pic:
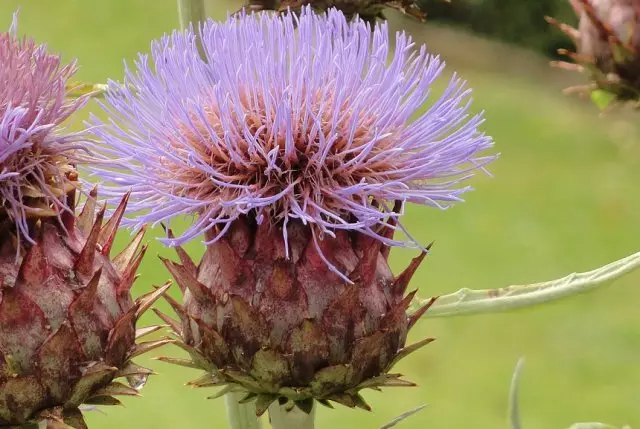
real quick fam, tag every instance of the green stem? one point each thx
(291, 417)
(469, 301)
(514, 409)
(241, 416)
(193, 12)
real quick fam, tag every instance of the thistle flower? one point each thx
(296, 144)
(608, 47)
(36, 155)
(67, 320)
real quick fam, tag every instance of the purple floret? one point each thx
(32, 141)
(311, 118)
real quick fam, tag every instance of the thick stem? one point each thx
(289, 416)
(241, 416)
(193, 12)
(469, 301)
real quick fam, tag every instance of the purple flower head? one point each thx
(34, 152)
(311, 118)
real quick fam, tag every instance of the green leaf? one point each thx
(602, 98)
(514, 410)
(474, 301)
(402, 417)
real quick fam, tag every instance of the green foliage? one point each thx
(513, 21)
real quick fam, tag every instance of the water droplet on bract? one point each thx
(137, 381)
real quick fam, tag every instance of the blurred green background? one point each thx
(564, 198)
(518, 22)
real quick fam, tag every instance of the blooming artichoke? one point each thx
(298, 167)
(608, 47)
(67, 320)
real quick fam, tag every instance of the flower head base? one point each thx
(608, 47)
(67, 319)
(288, 329)
(35, 157)
(287, 118)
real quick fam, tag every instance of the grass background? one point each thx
(564, 198)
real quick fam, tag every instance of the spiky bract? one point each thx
(287, 328)
(67, 320)
(607, 47)
(36, 155)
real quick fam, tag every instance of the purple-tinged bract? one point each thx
(607, 41)
(36, 155)
(310, 118)
(67, 319)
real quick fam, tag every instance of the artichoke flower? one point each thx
(295, 143)
(67, 319)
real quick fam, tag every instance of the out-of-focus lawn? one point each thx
(564, 198)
